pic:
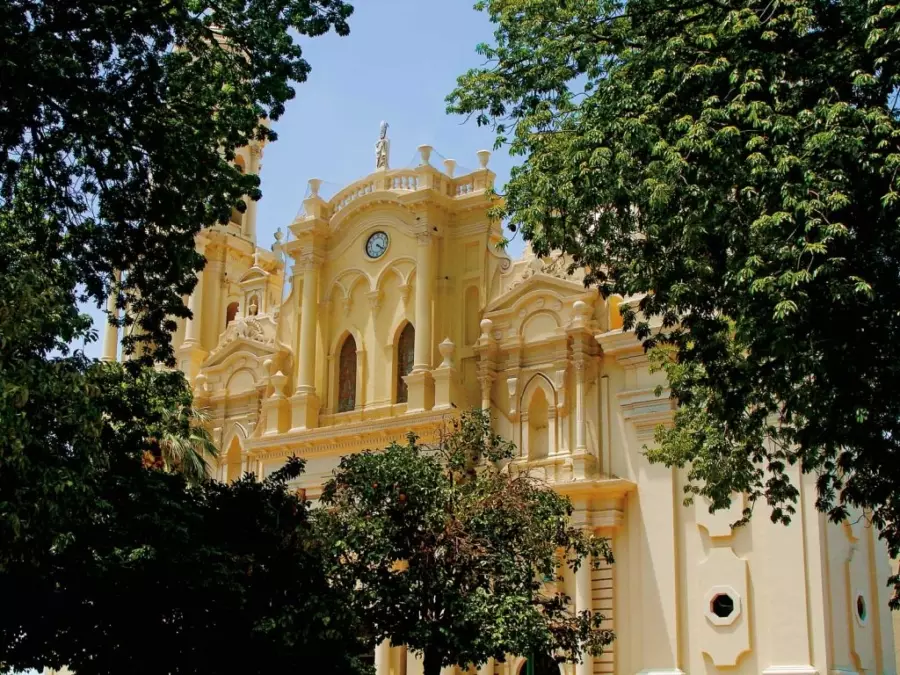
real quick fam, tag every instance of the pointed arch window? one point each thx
(538, 426)
(233, 461)
(347, 376)
(405, 352)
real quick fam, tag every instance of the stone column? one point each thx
(111, 335)
(306, 366)
(383, 658)
(195, 305)
(305, 402)
(583, 464)
(210, 302)
(424, 284)
(580, 444)
(583, 602)
(419, 382)
(255, 153)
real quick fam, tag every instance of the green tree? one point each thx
(449, 554)
(184, 443)
(733, 163)
(118, 127)
(176, 579)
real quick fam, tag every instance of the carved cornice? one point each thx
(645, 410)
(351, 437)
(618, 342)
(599, 503)
(307, 259)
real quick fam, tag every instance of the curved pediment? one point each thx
(239, 349)
(346, 232)
(255, 273)
(535, 286)
(253, 334)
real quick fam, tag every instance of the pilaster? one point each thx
(424, 292)
(486, 348)
(305, 401)
(420, 382)
(420, 391)
(277, 407)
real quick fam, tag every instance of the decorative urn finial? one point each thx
(425, 153)
(447, 348)
(449, 167)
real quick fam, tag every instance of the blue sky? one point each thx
(398, 64)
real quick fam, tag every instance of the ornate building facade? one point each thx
(389, 307)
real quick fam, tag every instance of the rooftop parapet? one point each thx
(442, 184)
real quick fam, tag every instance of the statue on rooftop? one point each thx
(382, 148)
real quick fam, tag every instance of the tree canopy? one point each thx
(453, 556)
(177, 579)
(730, 167)
(118, 127)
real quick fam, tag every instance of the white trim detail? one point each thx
(790, 670)
(716, 591)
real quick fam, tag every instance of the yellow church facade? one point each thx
(388, 308)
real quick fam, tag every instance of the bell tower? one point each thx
(243, 225)
(220, 297)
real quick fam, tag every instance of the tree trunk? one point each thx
(432, 663)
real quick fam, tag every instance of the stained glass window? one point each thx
(405, 352)
(347, 376)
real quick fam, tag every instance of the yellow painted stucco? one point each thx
(547, 356)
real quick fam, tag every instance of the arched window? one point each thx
(540, 665)
(231, 312)
(347, 375)
(233, 461)
(538, 426)
(405, 352)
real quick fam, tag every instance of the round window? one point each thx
(861, 611)
(722, 605)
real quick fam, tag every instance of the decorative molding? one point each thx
(799, 670)
(405, 290)
(736, 601)
(719, 524)
(375, 299)
(645, 410)
(351, 436)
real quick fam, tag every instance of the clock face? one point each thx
(376, 245)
